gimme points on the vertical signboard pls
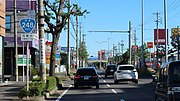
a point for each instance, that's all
(160, 37)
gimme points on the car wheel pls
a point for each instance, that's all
(115, 81)
(75, 86)
(97, 86)
(136, 82)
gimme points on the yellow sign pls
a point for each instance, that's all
(175, 32)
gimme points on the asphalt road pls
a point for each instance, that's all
(108, 91)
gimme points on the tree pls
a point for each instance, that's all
(56, 15)
(83, 54)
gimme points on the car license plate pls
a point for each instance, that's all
(86, 77)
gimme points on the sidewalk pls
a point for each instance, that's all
(9, 90)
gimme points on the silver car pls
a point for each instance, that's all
(126, 72)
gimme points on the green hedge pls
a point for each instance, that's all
(36, 88)
(51, 83)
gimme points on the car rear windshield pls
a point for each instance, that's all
(111, 67)
(86, 72)
(126, 68)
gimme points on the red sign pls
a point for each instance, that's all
(160, 38)
(150, 44)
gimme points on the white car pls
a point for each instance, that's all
(126, 72)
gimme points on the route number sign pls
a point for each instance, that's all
(27, 24)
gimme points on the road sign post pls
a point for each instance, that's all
(27, 25)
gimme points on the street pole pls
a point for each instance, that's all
(77, 59)
(41, 40)
(15, 41)
(143, 33)
(69, 58)
(157, 39)
(27, 66)
(23, 61)
(165, 27)
(130, 53)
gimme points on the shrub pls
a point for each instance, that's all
(23, 93)
(37, 88)
(51, 83)
(36, 79)
(144, 73)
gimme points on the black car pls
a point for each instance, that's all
(110, 69)
(86, 77)
(168, 82)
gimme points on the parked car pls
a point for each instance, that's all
(168, 83)
(86, 77)
(110, 69)
(126, 72)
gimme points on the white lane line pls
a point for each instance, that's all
(108, 85)
(104, 80)
(60, 97)
(113, 91)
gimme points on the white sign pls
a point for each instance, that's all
(27, 37)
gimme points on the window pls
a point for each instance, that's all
(8, 23)
(126, 68)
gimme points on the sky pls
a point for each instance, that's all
(115, 15)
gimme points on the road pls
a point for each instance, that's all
(108, 91)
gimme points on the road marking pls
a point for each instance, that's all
(108, 85)
(104, 80)
(60, 97)
(113, 91)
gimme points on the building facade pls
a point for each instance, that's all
(2, 34)
(25, 9)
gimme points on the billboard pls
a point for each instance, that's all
(160, 38)
(101, 55)
(175, 32)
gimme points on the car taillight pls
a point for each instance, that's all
(94, 76)
(77, 77)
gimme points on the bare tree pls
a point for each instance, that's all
(56, 14)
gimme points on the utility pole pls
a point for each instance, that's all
(15, 41)
(83, 42)
(80, 44)
(77, 57)
(68, 43)
(129, 31)
(157, 38)
(41, 40)
(165, 27)
(143, 34)
(122, 47)
(135, 50)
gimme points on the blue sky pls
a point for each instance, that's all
(115, 15)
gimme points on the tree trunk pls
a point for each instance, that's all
(53, 55)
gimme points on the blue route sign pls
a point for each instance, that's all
(27, 24)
